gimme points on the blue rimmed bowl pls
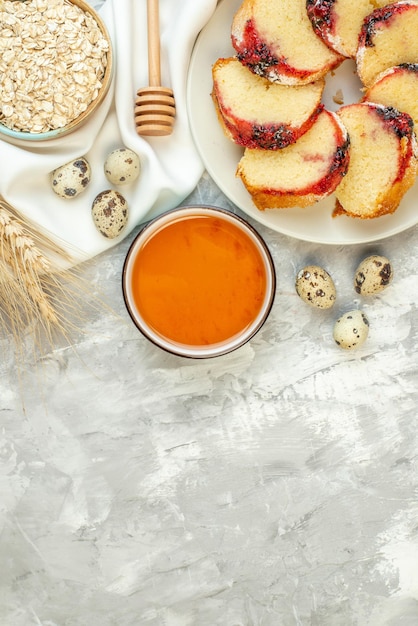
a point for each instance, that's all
(82, 118)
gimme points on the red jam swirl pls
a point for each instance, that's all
(322, 17)
(377, 19)
(253, 52)
(336, 172)
(266, 136)
(402, 125)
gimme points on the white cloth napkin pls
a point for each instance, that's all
(171, 166)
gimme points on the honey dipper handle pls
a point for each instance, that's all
(153, 22)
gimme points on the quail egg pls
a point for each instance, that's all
(373, 275)
(316, 287)
(71, 179)
(351, 330)
(122, 166)
(110, 213)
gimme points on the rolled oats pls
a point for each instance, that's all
(53, 57)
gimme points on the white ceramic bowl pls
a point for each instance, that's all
(198, 281)
(83, 117)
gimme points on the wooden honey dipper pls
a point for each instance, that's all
(155, 108)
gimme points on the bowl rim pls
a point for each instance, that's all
(220, 348)
(74, 124)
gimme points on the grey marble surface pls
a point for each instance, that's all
(275, 486)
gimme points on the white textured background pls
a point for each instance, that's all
(275, 486)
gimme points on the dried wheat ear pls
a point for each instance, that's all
(41, 287)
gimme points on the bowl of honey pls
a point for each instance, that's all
(198, 281)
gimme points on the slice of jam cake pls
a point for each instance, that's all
(383, 160)
(275, 39)
(301, 174)
(256, 113)
(388, 37)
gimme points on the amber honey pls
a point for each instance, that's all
(198, 281)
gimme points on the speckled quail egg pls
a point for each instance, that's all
(110, 213)
(351, 330)
(122, 166)
(316, 287)
(71, 179)
(373, 275)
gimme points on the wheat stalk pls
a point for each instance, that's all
(27, 264)
(40, 286)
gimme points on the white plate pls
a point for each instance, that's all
(221, 156)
